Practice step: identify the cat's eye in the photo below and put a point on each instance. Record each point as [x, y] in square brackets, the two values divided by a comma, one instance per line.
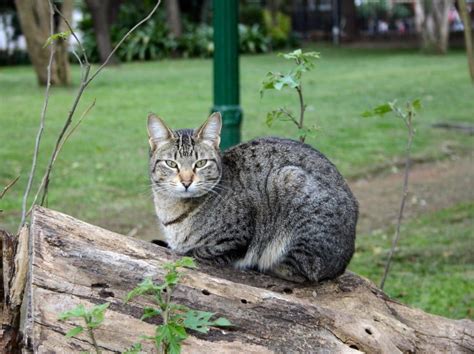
[200, 163]
[171, 163]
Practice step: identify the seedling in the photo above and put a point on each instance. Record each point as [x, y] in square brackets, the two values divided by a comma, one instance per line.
[175, 318]
[406, 114]
[278, 81]
[92, 317]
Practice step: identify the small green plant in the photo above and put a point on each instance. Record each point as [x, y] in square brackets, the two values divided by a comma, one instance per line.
[406, 114]
[92, 317]
[278, 81]
[176, 318]
[57, 36]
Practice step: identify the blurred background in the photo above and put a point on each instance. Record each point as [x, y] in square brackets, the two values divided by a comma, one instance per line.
[371, 52]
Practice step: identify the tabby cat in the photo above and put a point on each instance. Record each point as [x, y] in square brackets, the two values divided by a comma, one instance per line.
[274, 205]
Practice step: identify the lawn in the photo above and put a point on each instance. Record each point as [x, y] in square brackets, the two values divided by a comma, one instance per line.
[433, 268]
[101, 174]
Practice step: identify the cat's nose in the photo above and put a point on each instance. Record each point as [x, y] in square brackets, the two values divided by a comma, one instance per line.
[186, 184]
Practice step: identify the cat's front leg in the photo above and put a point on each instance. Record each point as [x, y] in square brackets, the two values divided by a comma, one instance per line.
[213, 254]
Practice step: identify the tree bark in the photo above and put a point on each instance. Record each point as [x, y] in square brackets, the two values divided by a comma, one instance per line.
[173, 17]
[34, 20]
[468, 37]
[104, 13]
[73, 263]
[349, 16]
[273, 7]
[433, 24]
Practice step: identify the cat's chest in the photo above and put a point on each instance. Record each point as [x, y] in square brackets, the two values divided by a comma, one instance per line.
[176, 223]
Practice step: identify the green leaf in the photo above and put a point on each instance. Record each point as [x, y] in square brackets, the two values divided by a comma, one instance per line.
[305, 61]
[222, 322]
[78, 311]
[150, 312]
[74, 331]
[172, 278]
[145, 287]
[186, 262]
[56, 36]
[288, 80]
[100, 309]
[380, 110]
[197, 320]
[416, 104]
[272, 117]
[136, 348]
[172, 335]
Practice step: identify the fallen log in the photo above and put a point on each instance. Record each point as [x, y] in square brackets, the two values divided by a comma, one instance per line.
[71, 262]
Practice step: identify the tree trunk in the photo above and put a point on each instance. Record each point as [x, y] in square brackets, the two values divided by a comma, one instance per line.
[433, 24]
[35, 25]
[73, 263]
[349, 17]
[104, 13]
[173, 17]
[468, 38]
[273, 7]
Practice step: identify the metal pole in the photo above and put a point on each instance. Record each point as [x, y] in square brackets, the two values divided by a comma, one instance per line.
[226, 69]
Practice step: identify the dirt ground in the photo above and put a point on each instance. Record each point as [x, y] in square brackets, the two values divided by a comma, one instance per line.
[432, 186]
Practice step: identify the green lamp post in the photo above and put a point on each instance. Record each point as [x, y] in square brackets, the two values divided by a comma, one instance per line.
[226, 69]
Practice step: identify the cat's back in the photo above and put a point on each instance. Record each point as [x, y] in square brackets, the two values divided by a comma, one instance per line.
[261, 156]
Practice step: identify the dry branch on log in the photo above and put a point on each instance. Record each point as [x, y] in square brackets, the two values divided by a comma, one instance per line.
[72, 262]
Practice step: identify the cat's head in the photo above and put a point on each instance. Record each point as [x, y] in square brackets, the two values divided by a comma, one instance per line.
[184, 163]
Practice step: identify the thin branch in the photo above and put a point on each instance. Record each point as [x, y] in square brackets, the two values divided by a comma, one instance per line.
[70, 132]
[122, 40]
[396, 238]
[84, 83]
[77, 99]
[39, 134]
[66, 21]
[8, 186]
[289, 115]
[94, 341]
[299, 89]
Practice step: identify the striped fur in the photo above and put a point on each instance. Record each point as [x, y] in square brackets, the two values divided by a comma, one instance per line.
[271, 204]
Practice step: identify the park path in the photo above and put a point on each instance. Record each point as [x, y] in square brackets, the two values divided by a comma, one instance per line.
[433, 186]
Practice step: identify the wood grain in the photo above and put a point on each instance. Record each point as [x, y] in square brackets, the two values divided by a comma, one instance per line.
[72, 262]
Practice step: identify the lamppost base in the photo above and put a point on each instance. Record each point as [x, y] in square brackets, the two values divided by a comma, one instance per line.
[231, 121]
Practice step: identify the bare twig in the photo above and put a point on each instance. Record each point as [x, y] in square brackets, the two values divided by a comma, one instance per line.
[290, 115]
[409, 123]
[94, 341]
[42, 120]
[299, 89]
[70, 132]
[122, 40]
[86, 80]
[79, 43]
[8, 186]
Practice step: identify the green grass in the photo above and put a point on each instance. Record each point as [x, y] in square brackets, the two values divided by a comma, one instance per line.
[103, 166]
[101, 174]
[433, 268]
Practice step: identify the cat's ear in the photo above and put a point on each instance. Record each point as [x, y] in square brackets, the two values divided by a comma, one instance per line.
[158, 132]
[210, 131]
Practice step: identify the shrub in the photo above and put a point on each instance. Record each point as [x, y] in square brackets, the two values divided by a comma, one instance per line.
[154, 41]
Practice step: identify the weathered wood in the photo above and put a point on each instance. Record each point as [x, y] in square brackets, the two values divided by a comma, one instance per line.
[72, 262]
[14, 273]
